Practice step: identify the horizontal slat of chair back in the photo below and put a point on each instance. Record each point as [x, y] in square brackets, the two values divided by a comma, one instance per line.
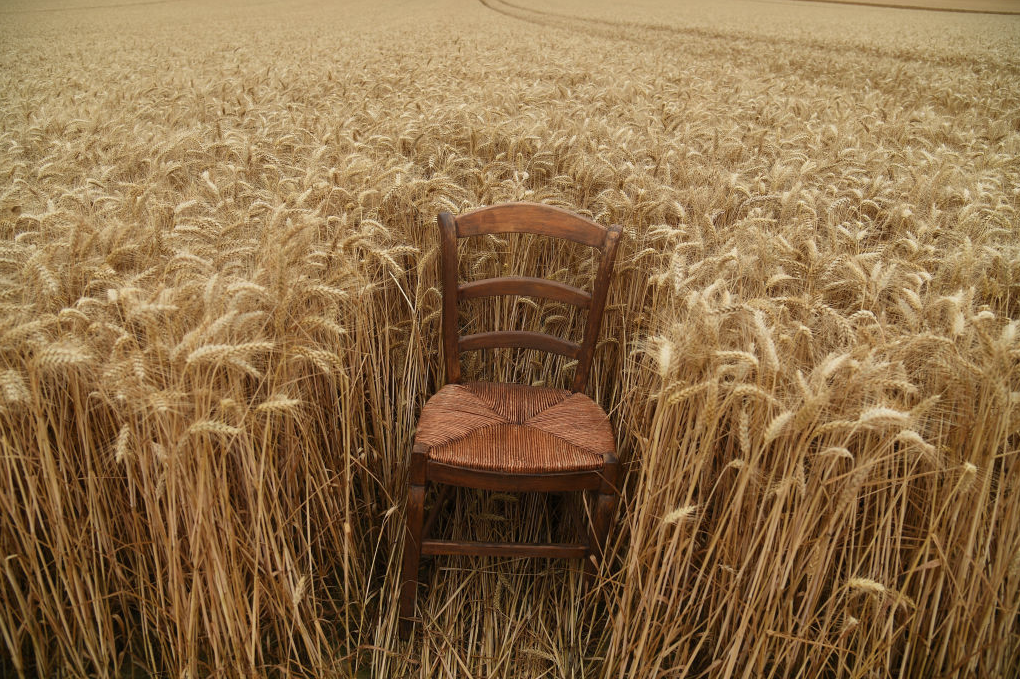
[543, 220]
[518, 339]
[526, 286]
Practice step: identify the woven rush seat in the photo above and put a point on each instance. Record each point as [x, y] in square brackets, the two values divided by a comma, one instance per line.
[514, 428]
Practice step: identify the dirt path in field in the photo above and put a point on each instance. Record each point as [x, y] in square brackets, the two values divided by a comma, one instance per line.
[1006, 7]
[637, 32]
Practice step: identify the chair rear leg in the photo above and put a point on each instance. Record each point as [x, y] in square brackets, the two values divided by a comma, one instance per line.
[430, 520]
[412, 555]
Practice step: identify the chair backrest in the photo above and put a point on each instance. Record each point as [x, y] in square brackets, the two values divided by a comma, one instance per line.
[537, 219]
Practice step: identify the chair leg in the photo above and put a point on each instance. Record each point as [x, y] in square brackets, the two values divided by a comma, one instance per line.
[590, 566]
[602, 518]
[430, 520]
[605, 507]
[412, 555]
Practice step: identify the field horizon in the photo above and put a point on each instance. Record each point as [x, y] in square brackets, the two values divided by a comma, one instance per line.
[219, 321]
[968, 6]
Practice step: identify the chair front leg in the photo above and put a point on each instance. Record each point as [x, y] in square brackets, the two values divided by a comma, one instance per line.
[602, 519]
[605, 507]
[412, 542]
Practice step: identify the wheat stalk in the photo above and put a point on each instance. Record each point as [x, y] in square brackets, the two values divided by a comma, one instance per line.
[220, 311]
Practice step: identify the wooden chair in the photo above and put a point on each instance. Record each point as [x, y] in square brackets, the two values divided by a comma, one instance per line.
[509, 437]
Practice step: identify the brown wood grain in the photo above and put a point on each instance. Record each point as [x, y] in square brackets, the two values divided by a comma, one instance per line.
[543, 220]
[550, 550]
[448, 265]
[412, 555]
[526, 286]
[598, 305]
[522, 339]
[489, 480]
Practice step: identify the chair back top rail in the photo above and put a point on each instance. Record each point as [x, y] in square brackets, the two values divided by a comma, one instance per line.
[544, 220]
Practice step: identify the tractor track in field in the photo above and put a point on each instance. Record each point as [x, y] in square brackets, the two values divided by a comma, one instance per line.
[637, 32]
[884, 5]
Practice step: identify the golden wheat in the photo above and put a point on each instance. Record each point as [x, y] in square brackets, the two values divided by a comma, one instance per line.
[219, 319]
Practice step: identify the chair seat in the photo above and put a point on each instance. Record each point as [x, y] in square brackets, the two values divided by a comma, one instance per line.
[514, 429]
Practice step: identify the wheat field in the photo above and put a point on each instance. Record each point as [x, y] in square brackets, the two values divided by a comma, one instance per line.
[219, 319]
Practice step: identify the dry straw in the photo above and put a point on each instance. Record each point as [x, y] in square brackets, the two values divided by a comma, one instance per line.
[219, 322]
